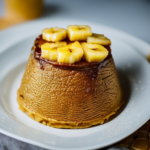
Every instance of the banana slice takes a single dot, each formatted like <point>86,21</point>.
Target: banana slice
<point>54,34</point>
<point>70,54</point>
<point>98,39</point>
<point>94,52</point>
<point>49,50</point>
<point>79,32</point>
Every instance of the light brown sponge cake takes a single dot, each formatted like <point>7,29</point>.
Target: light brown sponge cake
<point>62,95</point>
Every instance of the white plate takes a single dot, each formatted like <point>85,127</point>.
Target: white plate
<point>133,69</point>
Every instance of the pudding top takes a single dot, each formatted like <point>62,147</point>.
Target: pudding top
<point>77,46</point>
<point>37,55</point>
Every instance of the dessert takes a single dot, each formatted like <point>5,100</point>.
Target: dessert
<point>70,80</point>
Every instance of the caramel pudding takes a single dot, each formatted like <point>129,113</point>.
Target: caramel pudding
<point>76,94</point>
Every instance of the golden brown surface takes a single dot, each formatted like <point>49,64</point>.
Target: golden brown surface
<point>70,98</point>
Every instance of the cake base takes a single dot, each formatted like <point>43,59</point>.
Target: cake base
<point>61,124</point>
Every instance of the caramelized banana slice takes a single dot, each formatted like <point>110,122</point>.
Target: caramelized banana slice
<point>49,50</point>
<point>79,32</point>
<point>98,39</point>
<point>71,53</point>
<point>54,34</point>
<point>94,52</point>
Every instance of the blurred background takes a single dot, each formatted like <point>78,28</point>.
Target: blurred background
<point>131,16</point>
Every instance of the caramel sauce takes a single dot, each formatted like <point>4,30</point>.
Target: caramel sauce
<point>39,41</point>
<point>91,68</point>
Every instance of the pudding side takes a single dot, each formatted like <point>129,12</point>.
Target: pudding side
<point>70,80</point>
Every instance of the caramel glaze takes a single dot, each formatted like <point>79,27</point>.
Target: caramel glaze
<point>37,54</point>
<point>92,68</point>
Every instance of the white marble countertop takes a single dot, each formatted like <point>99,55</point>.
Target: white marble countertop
<point>131,16</point>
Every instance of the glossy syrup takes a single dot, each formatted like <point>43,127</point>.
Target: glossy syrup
<point>39,41</point>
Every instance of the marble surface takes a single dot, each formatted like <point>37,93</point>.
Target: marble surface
<point>8,143</point>
<point>129,16</point>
